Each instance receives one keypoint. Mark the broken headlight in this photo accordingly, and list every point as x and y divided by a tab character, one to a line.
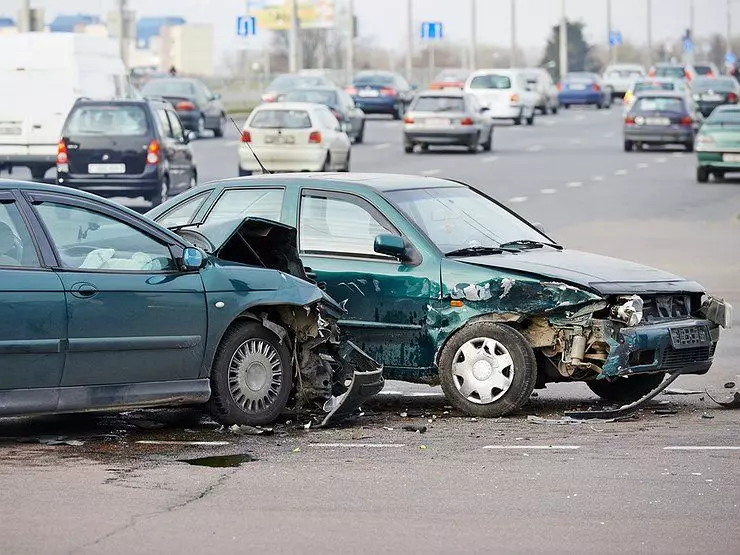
718	311
630	311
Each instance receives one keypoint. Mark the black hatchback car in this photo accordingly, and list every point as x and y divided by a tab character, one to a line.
125	148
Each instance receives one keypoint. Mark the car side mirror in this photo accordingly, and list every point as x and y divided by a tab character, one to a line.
192	259
217	96
484	109
190	136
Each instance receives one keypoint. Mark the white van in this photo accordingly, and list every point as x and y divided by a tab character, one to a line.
505	92
42	75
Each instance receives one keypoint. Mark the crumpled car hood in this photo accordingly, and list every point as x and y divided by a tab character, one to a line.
602	274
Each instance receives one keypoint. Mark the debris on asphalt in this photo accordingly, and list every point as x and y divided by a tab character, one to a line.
707	415
734	403
665	411
244	430
359	434
420	429
404	414
220	461
297	450
553	421
175	442
729	385
145	424
51	440
677	391
422	446
388	428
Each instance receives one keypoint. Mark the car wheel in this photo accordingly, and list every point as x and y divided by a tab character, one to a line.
599	106
327	163
719	176
162	193
473	145
626	389
201	126
346	166
566	106
361	135
554	109
38	173
628	146
487	369
530	119
408	148
193	180
702	174
689	147
398	112
518	120
251	377
219	131
488	145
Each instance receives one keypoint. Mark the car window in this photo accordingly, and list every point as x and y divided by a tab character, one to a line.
401	83
439	104
676	72
724	115
118	120
328	120
183	213
338	226
237	204
720	85
177	130
492	81
328	98
653	86
16	245
280	119
287	82
374	80
347	100
659	104
164	122
88	240
168	87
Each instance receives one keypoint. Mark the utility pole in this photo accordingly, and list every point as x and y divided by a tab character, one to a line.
514	56
649	20
409	40
123	45
691	56
563	41
609	30
350	54
473	59
24	21
728	30
293	38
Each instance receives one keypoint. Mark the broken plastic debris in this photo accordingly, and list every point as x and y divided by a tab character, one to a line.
388	428
678	391
422	446
404	414
706	415
420	429
51	440
729	385
244	430
297	450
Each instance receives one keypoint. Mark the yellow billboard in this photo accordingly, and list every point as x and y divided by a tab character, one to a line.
312	14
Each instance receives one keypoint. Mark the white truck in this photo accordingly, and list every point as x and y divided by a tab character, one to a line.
42	75
619	78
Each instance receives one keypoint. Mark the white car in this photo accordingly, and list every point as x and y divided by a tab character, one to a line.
545	88
505	92
655	84
619	77
293	137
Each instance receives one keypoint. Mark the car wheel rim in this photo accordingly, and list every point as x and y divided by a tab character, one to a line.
482	370
255	375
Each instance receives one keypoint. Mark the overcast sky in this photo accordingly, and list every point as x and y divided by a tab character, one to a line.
385	20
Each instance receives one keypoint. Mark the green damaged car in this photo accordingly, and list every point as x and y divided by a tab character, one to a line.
718	144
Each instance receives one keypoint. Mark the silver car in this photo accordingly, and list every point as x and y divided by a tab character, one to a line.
447	118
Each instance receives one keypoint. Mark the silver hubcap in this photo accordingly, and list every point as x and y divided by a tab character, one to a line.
255	375
482	370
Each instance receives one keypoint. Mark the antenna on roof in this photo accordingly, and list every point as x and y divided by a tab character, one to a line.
262	166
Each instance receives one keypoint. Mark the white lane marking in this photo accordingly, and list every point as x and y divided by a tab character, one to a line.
677	154
575	141
434	171
574	184
535	148
580	117
643	165
382	146
702	448
548	191
363	445
660	160
517	199
598	178
549	122
620	172
608	135
489	159
535	447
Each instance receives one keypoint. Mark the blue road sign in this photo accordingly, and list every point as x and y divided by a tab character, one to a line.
246	26
688	45
615	38
432	30
730	58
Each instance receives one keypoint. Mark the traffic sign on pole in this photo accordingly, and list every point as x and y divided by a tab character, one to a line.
246	26
432	30
615	38
730	58
688	45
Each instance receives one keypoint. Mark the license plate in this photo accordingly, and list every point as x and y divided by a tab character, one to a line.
712	97
577	87
438	122
279	140
694	336
5	130
657	121
106	168
368	92
731	157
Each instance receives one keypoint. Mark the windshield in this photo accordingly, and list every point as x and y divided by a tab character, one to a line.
676	72
654	86
129	121
490	82
659	104
168	87
439	104
378	80
721	85
281	119
328	98
451	76
704	70
724	115
457	218
287	82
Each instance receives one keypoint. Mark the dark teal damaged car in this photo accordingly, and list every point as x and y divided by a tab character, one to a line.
444	285
102	309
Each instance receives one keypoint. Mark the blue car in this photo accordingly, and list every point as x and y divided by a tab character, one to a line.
583	88
381	92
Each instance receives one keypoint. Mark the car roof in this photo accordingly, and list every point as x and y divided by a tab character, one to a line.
494	71
452	93
317	88
288	106
122	101
661	94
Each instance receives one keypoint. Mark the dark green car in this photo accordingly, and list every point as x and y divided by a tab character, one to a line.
102	309
718	144
444	285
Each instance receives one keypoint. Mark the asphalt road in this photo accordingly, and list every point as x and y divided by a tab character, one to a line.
659	483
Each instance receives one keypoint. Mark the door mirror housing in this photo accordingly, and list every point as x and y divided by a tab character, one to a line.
397	247
484	109
192	259
190	136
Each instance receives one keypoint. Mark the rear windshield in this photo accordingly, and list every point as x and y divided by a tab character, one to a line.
624	73
328	98
703	70
659	104
580	77
439	104
675	72
167	87
287	82
727	115
451	76
490	82
127	121
376	80
653	86
281	119
720	85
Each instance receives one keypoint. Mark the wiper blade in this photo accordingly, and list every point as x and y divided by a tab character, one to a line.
478	251
184	226
528	243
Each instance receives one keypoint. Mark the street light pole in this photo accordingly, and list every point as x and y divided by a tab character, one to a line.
649	20
409	40
514	57
350	61
25	19
473	58
609	30
563	41
123	31
293	35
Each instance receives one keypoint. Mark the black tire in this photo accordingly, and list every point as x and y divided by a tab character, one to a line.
346	167
219	131
327	163
473	146
361	135
161	195
488	145
554	110
530	119
629	146
626	389
398	112
702	174
223	405
599	106
38	173
201	127
518	121
523	371
719	175
424	147
689	147
566	106
408	148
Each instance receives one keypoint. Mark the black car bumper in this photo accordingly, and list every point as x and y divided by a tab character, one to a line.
145	184
659	135
441	138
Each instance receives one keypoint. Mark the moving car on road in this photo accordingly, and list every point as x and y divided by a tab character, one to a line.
673	71
339	102
381	92
712	92
547	92
619	77
584	88
442	284
654	84
706	69
102	309
450	117
718	144
293	137
505	92
126	148
198	107
449	79
291	81
660	118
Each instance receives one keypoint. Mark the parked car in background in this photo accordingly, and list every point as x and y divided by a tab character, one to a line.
293	137
655	84
506	94
706	69
290	81
674	71
339	103
101	308
453	78
199	108
661	118
718	144
584	89
545	89
446	118
712	92
381	92
126	148
619	77
444	285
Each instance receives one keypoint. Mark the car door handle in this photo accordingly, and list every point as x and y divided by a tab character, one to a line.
310	273
83	290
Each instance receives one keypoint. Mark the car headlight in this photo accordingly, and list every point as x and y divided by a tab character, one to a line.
629	312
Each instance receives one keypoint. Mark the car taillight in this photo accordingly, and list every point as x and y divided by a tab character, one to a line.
246	137
386	91
466	121
351	91
560	86
152	153
687	120
629	120
596	87
732	97
408	119
269	97
652	72
62	157
315	137
705	139
185	106
435	86
514	98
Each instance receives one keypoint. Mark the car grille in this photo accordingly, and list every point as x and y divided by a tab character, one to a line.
675	358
